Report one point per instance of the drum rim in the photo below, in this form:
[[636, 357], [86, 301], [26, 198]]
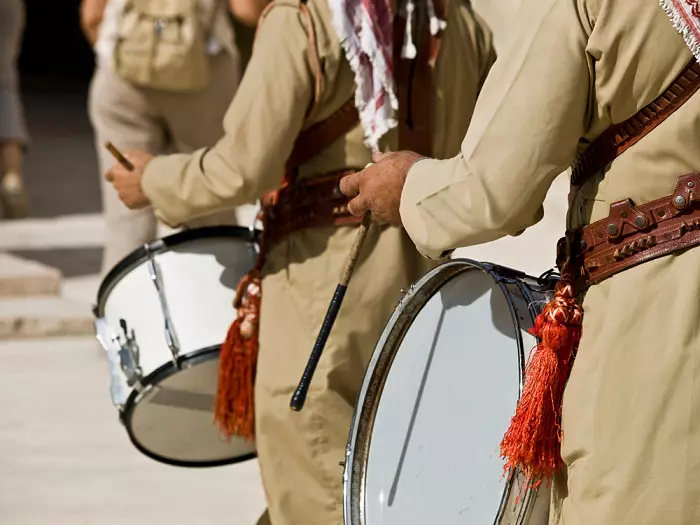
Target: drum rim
[[158, 375], [354, 475], [141, 254]]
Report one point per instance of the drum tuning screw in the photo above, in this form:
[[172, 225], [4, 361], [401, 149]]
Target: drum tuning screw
[[124, 326]]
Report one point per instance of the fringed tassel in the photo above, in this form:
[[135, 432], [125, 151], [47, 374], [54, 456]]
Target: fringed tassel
[[532, 443], [235, 406]]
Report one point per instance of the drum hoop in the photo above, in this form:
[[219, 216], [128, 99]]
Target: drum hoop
[[158, 246], [153, 379], [410, 306]]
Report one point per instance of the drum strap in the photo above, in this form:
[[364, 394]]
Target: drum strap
[[414, 77], [618, 138]]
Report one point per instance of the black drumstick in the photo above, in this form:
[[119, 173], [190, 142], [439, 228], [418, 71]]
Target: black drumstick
[[299, 396]]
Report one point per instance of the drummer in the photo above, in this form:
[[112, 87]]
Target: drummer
[[631, 409], [299, 76]]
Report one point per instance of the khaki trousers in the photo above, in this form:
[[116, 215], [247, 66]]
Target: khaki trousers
[[300, 452], [157, 122]]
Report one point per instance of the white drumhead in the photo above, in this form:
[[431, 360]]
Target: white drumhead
[[431, 451], [173, 421]]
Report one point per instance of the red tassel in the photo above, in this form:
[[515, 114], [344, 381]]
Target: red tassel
[[532, 443], [235, 407]]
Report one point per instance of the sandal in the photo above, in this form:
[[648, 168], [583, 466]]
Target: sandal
[[13, 197]]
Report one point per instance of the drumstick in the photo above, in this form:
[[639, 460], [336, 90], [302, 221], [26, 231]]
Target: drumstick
[[121, 159], [299, 396]]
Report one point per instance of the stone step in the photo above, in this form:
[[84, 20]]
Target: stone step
[[24, 278], [43, 317]]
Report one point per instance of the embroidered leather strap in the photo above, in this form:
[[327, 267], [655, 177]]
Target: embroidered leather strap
[[321, 135], [619, 137], [631, 234], [310, 203]]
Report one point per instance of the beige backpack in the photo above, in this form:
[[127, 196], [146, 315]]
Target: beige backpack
[[161, 44]]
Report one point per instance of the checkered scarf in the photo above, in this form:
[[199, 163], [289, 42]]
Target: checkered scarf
[[685, 15], [365, 31]]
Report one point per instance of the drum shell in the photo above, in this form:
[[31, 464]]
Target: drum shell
[[200, 271]]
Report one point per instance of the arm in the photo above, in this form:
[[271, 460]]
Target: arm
[[525, 130], [91, 12], [260, 127], [247, 11]]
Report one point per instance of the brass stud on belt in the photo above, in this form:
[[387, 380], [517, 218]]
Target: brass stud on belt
[[679, 202], [613, 230], [641, 222]]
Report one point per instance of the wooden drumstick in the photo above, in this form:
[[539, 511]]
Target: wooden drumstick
[[121, 159], [299, 396]]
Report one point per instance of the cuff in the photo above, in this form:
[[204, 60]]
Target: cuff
[[160, 183], [416, 188]]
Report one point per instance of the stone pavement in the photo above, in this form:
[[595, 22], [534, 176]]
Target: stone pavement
[[66, 460]]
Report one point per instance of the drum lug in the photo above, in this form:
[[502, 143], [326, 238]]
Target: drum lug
[[129, 356], [156, 276]]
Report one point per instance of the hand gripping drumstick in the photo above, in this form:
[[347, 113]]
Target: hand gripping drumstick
[[121, 159], [299, 396]]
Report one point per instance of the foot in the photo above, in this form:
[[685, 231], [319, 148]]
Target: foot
[[13, 197]]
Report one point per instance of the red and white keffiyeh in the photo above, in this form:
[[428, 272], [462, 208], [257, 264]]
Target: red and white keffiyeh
[[685, 15], [365, 31]]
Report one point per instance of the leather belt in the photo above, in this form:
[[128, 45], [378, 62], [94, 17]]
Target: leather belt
[[631, 235], [307, 203]]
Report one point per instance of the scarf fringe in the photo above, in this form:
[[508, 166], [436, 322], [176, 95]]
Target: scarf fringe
[[680, 22], [365, 55]]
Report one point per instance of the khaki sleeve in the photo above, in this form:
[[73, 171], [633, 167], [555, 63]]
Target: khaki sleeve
[[526, 125], [260, 127]]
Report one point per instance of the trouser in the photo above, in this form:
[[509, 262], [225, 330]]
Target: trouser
[[157, 122], [12, 124], [300, 452]]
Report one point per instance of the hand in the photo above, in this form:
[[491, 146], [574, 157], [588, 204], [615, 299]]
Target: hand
[[91, 12], [128, 183], [378, 187]]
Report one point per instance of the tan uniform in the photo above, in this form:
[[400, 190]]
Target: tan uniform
[[300, 452], [631, 418]]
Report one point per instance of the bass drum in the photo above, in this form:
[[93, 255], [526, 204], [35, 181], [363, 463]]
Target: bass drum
[[438, 396], [161, 316]]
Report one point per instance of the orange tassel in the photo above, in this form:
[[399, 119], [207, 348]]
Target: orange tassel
[[532, 443], [235, 407]]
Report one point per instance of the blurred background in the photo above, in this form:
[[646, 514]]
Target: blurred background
[[64, 457]]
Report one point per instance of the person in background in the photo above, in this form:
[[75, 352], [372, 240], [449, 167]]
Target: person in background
[[13, 132], [159, 113]]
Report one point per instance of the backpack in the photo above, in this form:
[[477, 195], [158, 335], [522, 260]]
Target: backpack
[[161, 44]]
